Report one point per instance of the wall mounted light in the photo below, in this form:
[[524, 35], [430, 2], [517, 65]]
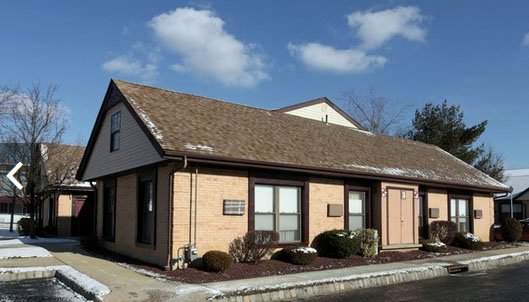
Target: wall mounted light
[[415, 194], [384, 192]]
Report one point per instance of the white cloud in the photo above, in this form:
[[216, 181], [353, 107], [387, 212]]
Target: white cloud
[[128, 65], [373, 29], [206, 49], [525, 40], [376, 28], [326, 58]]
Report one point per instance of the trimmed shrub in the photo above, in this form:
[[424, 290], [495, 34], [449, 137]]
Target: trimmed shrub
[[511, 230], [216, 261], [299, 255], [433, 246], [23, 226], [253, 246], [366, 244], [444, 231], [88, 241], [336, 243], [467, 241]]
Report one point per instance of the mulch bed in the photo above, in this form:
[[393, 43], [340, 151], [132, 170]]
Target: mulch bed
[[276, 267], [494, 245]]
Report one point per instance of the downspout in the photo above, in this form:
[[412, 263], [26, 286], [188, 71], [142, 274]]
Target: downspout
[[96, 195], [171, 210], [196, 203], [512, 214]]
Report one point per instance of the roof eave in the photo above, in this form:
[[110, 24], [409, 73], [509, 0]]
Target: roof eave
[[194, 157]]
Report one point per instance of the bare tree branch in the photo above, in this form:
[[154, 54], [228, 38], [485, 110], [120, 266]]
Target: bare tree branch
[[376, 113], [35, 120]]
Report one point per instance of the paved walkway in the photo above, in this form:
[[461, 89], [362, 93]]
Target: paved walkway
[[127, 285]]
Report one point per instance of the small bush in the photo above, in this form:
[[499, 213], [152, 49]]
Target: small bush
[[443, 231], [511, 230], [88, 241], [468, 241], [367, 242], [216, 261], [299, 255], [433, 246], [336, 243], [23, 226], [253, 246]]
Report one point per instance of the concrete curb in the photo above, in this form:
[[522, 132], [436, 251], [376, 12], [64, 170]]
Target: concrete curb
[[34, 273], [307, 289], [297, 290], [484, 263]]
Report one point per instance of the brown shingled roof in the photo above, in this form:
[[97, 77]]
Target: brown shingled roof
[[197, 126]]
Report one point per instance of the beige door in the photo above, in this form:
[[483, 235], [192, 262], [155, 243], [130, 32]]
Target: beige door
[[400, 216]]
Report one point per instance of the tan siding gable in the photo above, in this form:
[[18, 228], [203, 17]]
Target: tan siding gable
[[135, 150], [319, 111]]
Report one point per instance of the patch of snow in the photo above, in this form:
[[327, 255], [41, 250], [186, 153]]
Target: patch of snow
[[349, 234], [145, 272], [28, 240], [85, 282], [394, 171], [471, 237], [23, 252], [364, 131], [305, 250], [495, 257], [148, 122], [436, 244], [199, 147]]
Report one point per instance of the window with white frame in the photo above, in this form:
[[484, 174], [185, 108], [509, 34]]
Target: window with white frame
[[459, 213], [278, 208], [357, 209]]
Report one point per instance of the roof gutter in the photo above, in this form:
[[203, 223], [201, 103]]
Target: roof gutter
[[208, 159]]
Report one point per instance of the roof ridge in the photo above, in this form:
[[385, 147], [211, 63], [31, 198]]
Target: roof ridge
[[195, 95]]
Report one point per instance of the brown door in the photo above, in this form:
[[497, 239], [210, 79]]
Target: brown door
[[400, 216]]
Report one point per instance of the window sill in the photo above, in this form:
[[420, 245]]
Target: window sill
[[146, 246]]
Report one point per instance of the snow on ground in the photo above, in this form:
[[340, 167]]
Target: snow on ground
[[495, 257], [38, 240], [88, 284], [23, 252], [145, 272], [11, 238]]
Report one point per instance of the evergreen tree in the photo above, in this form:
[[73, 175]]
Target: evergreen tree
[[442, 125]]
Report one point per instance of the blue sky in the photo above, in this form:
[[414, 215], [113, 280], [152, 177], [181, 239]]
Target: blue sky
[[274, 53]]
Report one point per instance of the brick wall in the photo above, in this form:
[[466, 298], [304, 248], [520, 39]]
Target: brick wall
[[321, 193], [126, 219], [214, 230]]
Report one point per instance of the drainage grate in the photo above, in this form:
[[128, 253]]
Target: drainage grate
[[457, 268]]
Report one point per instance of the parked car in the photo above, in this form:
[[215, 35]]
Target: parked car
[[525, 231]]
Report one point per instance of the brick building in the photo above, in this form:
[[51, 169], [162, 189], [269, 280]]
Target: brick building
[[175, 170]]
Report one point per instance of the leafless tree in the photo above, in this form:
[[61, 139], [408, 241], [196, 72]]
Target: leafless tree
[[377, 114], [35, 120]]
